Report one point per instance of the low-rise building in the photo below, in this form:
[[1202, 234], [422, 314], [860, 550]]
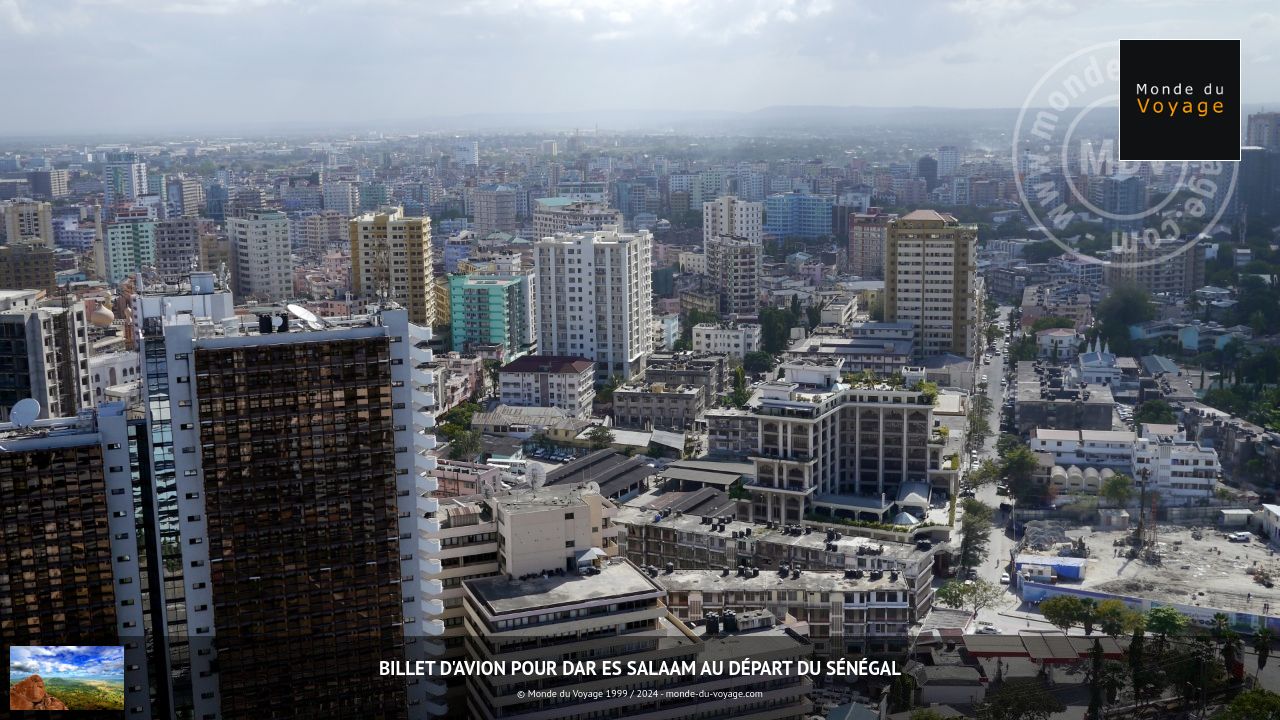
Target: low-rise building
[[1057, 343], [661, 406], [1174, 466], [708, 371], [726, 339], [1045, 398], [549, 381]]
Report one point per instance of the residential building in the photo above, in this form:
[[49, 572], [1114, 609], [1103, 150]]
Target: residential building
[[1121, 199], [1058, 343], [868, 235], [28, 267], [1066, 300], [124, 178], [726, 339], [489, 315], [342, 197], [1044, 398], [73, 565], [884, 356], [494, 209], [185, 196], [659, 406], [262, 266], [110, 369], [931, 281], [1264, 131], [378, 241], [177, 247], [709, 371], [727, 216], [49, 184], [45, 355], [320, 231], [549, 381], [261, 473], [595, 299], [560, 214], [1175, 467], [1086, 448], [734, 266], [27, 221], [797, 214], [1163, 267]]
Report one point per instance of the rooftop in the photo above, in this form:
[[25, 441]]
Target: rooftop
[[548, 363], [769, 579], [617, 580]]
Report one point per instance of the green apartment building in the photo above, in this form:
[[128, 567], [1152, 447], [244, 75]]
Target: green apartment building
[[490, 315]]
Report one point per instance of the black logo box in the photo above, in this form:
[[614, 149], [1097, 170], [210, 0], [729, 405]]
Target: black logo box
[[1189, 65]]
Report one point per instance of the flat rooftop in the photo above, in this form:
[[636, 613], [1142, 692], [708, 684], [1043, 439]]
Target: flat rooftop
[[1209, 572], [617, 580], [770, 579]]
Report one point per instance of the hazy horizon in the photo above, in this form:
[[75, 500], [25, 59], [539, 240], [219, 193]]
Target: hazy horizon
[[147, 66]]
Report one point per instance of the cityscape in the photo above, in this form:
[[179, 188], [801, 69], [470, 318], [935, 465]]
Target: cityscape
[[300, 397]]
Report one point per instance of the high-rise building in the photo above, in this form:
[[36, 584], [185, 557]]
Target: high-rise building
[[1258, 183], [1264, 131], [948, 161], [124, 178], [184, 196], [49, 184], [1122, 200], [128, 247], [557, 215], [494, 209], [734, 266], [28, 267], [466, 152], [70, 569], [868, 233], [292, 479], [1160, 267], [44, 355], [27, 221], [729, 216], [342, 197], [320, 231], [489, 315], [595, 299], [797, 214], [177, 247], [927, 168], [262, 266], [378, 242], [931, 280]]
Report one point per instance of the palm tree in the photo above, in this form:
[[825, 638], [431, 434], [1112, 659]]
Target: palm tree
[[1232, 649], [1262, 645]]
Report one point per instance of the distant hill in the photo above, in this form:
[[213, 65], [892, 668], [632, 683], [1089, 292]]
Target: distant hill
[[37, 693]]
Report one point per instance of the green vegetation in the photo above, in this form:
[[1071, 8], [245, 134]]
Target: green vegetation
[[1127, 304], [691, 318], [457, 421], [1050, 322], [739, 396], [757, 362], [600, 437], [86, 694], [1256, 704], [464, 445], [973, 595], [1154, 411], [1020, 699], [975, 532], [776, 324], [1118, 489], [979, 423]]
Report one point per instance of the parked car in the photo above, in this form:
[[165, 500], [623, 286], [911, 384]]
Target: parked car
[[1004, 578]]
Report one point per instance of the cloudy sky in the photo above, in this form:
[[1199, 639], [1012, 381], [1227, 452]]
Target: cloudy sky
[[88, 661], [147, 65]]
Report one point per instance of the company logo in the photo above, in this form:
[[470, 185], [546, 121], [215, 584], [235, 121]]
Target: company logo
[[1087, 200]]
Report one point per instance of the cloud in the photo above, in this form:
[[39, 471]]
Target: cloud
[[68, 661], [12, 18]]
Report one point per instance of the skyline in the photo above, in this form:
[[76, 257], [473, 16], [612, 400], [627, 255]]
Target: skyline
[[81, 661], [201, 65]]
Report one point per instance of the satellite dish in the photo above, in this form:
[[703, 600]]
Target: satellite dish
[[307, 317], [277, 321], [591, 488], [25, 412]]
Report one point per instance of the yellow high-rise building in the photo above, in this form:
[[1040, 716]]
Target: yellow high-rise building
[[391, 258], [931, 280]]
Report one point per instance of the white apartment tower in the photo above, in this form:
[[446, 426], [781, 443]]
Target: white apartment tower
[[727, 215], [261, 262], [595, 294], [343, 197]]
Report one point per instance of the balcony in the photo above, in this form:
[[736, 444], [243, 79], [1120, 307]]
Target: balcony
[[428, 483], [424, 398], [435, 606], [423, 376], [433, 628], [419, 333], [426, 463], [424, 440], [427, 504], [431, 587], [431, 526], [430, 566], [424, 420], [430, 546], [421, 355], [435, 709]]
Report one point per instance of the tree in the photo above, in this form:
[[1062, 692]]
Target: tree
[[1114, 618], [739, 396], [1127, 304], [974, 594], [992, 332], [1097, 694], [1166, 622], [757, 362], [1063, 611], [600, 437], [1262, 646], [605, 393], [1137, 660], [1256, 704], [1050, 322], [987, 472], [1118, 489], [975, 532], [1154, 411], [1006, 443], [925, 714], [1020, 699], [1018, 468], [876, 309], [465, 445]]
